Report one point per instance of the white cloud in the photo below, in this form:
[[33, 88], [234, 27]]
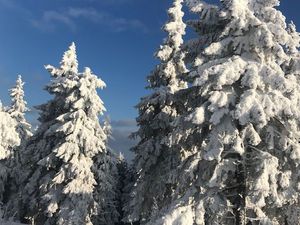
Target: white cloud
[[111, 2], [50, 20], [126, 123]]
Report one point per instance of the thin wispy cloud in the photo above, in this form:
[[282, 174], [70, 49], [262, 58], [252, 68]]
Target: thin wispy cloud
[[110, 2], [125, 123], [50, 19], [70, 18], [116, 1]]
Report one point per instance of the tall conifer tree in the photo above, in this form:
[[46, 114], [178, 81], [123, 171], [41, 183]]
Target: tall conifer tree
[[153, 160], [60, 184], [18, 109], [239, 137]]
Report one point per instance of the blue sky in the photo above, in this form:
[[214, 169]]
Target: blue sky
[[116, 38]]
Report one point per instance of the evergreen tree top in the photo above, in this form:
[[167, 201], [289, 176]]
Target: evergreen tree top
[[18, 106], [68, 64], [175, 28], [69, 61], [121, 157], [166, 75]]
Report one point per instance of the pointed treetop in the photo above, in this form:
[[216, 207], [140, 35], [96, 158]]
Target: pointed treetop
[[176, 26], [166, 75], [175, 29], [69, 61], [68, 64], [18, 106], [19, 81], [121, 157]]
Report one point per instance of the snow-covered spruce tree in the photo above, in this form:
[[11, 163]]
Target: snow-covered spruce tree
[[239, 137], [17, 111], [59, 184], [18, 108], [9, 140], [106, 191], [154, 161]]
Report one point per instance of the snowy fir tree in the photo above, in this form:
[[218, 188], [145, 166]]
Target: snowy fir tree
[[9, 140], [18, 109], [59, 185], [153, 161], [239, 137]]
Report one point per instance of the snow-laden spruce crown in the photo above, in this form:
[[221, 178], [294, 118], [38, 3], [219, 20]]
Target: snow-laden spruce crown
[[69, 61], [68, 64]]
